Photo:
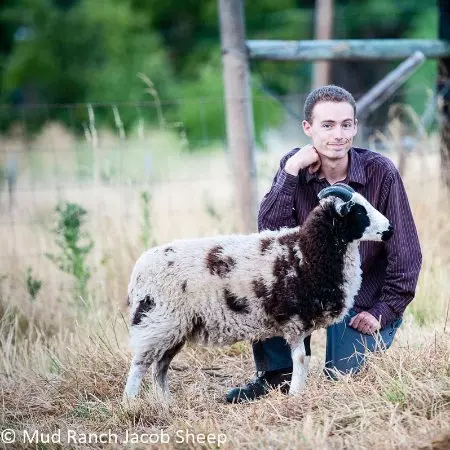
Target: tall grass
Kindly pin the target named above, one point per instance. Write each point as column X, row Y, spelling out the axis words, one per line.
column 60, row 371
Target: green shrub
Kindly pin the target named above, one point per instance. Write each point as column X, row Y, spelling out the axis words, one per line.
column 33, row 285
column 202, row 110
column 74, row 245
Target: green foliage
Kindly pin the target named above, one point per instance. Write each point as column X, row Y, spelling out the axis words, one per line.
column 202, row 110
column 393, row 19
column 91, row 52
column 421, row 313
column 79, row 51
column 75, row 246
column 425, row 26
column 397, row 393
column 33, row 285
column 420, row 316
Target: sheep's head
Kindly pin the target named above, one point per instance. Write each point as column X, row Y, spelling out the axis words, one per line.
column 357, row 218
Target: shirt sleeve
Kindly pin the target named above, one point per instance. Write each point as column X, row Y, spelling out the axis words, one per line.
column 404, row 256
column 277, row 206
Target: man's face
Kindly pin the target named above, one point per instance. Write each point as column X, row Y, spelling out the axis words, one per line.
column 332, row 129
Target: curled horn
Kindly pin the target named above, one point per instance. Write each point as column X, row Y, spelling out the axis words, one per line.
column 345, row 186
column 336, row 191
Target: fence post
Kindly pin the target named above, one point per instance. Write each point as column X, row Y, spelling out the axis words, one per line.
column 443, row 89
column 386, row 87
column 323, row 13
column 239, row 112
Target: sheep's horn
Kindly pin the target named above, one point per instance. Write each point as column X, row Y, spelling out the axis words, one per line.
column 345, row 186
column 336, row 191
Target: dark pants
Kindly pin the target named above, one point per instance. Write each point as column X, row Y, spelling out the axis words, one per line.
column 345, row 348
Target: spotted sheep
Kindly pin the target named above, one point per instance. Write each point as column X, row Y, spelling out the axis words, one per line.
column 220, row 290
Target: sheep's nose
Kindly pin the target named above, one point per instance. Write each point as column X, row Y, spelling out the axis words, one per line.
column 386, row 235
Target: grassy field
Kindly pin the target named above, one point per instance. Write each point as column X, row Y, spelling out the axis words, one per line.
column 63, row 365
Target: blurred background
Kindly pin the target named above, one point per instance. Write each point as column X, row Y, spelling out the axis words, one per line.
column 113, row 133
column 57, row 55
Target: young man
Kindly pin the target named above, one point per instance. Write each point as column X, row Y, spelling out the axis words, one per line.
column 390, row 270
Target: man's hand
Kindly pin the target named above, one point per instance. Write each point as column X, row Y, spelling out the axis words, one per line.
column 365, row 323
column 307, row 156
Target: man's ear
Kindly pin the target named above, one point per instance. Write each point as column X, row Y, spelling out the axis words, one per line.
column 307, row 128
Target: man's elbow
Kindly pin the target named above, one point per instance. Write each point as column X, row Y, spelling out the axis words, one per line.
column 264, row 225
column 413, row 251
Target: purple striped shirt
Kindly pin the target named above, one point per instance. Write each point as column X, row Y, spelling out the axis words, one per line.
column 390, row 269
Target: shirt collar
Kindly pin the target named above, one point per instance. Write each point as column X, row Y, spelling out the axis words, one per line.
column 355, row 174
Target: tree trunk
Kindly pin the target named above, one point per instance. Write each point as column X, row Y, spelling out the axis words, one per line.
column 239, row 111
column 443, row 87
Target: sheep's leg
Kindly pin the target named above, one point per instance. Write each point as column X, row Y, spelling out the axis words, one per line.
column 138, row 369
column 300, row 366
column 155, row 342
column 160, row 368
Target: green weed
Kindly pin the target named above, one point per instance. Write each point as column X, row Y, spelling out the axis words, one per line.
column 74, row 245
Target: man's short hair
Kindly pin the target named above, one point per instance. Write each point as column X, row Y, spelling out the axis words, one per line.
column 330, row 93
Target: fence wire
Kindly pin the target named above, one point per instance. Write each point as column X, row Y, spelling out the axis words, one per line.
column 107, row 156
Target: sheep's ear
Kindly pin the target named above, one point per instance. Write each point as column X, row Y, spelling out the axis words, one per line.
column 344, row 208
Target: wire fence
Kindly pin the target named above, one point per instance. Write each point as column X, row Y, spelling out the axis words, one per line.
column 184, row 172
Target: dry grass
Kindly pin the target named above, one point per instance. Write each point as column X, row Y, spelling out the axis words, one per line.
column 62, row 370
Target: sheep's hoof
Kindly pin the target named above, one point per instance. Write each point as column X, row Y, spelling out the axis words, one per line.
column 163, row 398
column 131, row 404
column 294, row 392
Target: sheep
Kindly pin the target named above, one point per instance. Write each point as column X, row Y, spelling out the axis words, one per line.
column 224, row 289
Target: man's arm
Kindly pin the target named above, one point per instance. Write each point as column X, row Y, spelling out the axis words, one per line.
column 277, row 207
column 403, row 254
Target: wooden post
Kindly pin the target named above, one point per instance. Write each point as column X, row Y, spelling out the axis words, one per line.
column 347, row 49
column 323, row 30
column 443, row 88
column 239, row 113
column 386, row 87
